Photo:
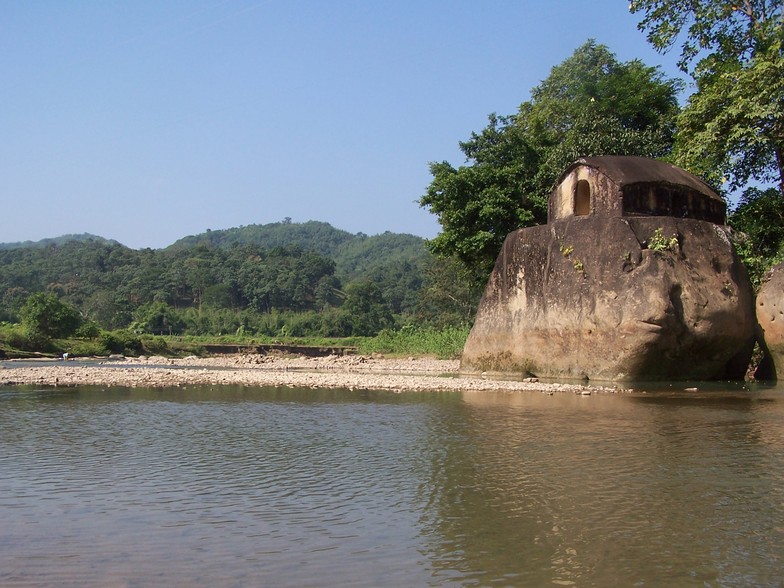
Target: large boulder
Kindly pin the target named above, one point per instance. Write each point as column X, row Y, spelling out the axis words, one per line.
column 770, row 317
column 616, row 298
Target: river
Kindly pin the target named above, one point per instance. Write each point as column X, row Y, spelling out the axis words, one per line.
column 244, row 486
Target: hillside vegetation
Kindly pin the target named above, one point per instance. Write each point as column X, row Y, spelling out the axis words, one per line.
column 84, row 237
column 277, row 280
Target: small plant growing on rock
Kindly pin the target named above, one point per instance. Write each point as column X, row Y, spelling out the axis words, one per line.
column 566, row 250
column 658, row 242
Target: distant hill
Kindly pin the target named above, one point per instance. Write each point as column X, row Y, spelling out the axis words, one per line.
column 354, row 254
column 363, row 254
column 281, row 267
column 315, row 236
column 83, row 238
column 375, row 257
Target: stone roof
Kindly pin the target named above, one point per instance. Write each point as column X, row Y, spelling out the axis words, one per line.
column 625, row 170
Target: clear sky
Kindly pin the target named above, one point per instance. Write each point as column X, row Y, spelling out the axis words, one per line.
column 148, row 120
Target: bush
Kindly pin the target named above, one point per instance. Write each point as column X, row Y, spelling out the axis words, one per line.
column 84, row 348
column 123, row 342
column 45, row 316
column 88, row 330
column 15, row 337
column 446, row 343
column 155, row 346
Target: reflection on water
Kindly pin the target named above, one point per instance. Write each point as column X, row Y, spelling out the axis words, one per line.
column 236, row 486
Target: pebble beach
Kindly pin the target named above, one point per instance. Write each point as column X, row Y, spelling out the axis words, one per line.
column 347, row 371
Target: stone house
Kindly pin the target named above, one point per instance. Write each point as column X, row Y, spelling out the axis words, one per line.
column 632, row 186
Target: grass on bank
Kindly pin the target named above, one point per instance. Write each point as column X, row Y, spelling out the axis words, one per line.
column 444, row 343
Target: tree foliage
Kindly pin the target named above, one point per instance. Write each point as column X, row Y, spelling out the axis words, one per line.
column 367, row 312
column 591, row 104
column 316, row 236
column 480, row 203
column 226, row 285
column 758, row 222
column 449, row 294
column 733, row 125
column 45, row 316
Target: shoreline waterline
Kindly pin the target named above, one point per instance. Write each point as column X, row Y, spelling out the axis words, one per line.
column 352, row 372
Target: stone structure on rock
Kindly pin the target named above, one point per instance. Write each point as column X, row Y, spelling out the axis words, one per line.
column 770, row 320
column 633, row 277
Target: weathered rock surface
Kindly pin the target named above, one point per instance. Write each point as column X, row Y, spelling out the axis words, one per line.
column 601, row 298
column 770, row 317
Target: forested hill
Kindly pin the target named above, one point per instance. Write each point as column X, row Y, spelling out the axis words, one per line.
column 354, row 254
column 82, row 238
column 315, row 236
column 219, row 277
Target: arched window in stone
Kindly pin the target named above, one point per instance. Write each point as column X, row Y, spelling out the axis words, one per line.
column 582, row 198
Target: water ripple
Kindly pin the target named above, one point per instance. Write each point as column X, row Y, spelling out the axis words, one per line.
column 240, row 486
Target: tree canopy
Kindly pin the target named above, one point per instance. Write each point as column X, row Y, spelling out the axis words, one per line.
column 733, row 125
column 591, row 104
column 759, row 224
column 45, row 316
column 225, row 282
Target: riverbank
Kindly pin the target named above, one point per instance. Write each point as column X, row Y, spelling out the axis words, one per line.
column 352, row 372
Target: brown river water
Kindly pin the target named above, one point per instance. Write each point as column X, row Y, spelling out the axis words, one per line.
column 245, row 486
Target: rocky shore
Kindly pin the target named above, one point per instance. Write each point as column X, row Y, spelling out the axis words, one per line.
column 352, row 372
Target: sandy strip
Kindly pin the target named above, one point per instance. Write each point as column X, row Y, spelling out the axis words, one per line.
column 352, row 372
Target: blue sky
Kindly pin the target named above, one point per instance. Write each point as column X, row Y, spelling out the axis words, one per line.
column 146, row 121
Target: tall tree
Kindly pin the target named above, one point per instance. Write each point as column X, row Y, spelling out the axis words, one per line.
column 733, row 125
column 480, row 203
column 591, row 104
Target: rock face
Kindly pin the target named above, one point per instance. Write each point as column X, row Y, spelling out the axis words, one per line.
column 603, row 295
column 770, row 318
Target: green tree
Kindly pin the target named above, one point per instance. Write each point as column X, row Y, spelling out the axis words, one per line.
column 591, row 104
column 759, row 224
column 45, row 316
column 449, row 296
column 365, row 308
column 733, row 125
column 286, row 278
column 480, row 203
column 158, row 318
column 400, row 281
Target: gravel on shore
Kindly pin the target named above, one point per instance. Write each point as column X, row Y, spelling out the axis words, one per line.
column 352, row 372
